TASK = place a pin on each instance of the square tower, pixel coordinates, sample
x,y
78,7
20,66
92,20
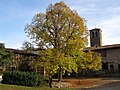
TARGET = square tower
x,y
95,37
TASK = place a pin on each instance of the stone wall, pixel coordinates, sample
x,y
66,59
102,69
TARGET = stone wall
x,y
112,57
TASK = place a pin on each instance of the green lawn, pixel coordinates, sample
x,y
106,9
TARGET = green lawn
x,y
15,87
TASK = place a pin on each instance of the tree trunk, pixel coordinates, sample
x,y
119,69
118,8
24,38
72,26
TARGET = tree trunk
x,y
50,81
60,76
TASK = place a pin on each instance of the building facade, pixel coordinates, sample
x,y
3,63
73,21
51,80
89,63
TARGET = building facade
x,y
110,53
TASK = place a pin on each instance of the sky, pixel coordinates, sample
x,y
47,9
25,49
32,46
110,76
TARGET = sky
x,y
16,14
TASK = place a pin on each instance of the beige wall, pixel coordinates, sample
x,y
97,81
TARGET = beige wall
x,y
112,57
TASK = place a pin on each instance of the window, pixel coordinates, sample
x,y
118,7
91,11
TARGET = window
x,y
92,34
105,65
96,34
119,66
111,67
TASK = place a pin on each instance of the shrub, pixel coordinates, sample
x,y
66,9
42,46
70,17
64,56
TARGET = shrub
x,y
23,78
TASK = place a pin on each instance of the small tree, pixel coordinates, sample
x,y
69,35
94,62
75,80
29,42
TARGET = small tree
x,y
6,57
89,61
63,33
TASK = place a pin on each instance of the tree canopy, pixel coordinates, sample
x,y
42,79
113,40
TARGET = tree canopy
x,y
63,34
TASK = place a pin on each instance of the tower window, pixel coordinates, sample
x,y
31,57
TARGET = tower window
x,y
92,34
96,34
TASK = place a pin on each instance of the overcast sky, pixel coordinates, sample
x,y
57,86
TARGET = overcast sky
x,y
15,14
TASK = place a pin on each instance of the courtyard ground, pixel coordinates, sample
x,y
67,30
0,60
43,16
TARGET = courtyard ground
x,y
91,83
74,84
108,86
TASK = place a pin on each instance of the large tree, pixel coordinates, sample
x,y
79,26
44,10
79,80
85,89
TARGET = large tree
x,y
63,33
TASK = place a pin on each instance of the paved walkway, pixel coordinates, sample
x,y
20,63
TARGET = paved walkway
x,y
109,86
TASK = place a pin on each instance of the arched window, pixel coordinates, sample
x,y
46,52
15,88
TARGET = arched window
x,y
105,65
111,67
96,34
119,66
93,35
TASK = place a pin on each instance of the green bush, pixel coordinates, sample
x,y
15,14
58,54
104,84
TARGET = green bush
x,y
23,78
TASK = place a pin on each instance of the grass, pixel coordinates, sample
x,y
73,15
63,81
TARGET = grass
x,y
15,87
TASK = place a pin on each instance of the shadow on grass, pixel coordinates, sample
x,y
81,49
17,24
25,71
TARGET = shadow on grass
x,y
16,87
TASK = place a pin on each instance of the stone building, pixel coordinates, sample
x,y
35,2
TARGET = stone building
x,y
20,55
110,53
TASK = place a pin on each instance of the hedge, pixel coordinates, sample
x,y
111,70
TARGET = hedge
x,y
23,78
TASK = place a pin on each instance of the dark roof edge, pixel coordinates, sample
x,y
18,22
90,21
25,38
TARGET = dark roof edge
x,y
102,47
